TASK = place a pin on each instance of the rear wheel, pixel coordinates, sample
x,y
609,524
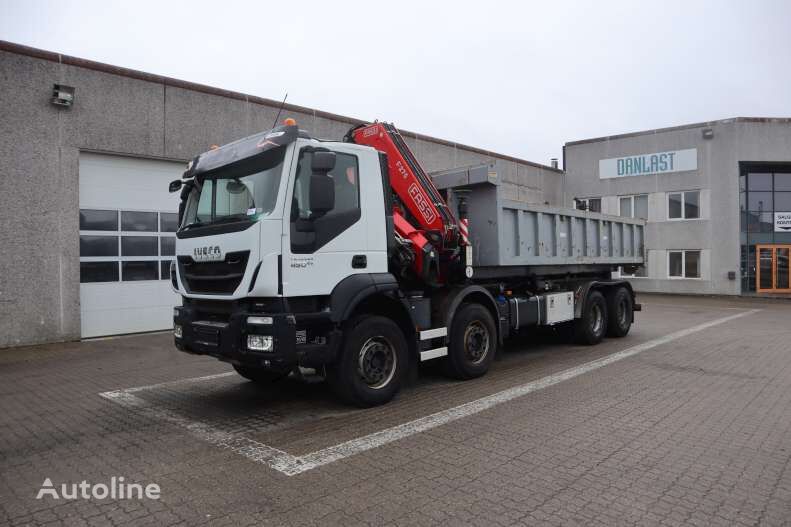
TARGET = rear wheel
x,y
592,325
473,341
619,311
259,375
372,362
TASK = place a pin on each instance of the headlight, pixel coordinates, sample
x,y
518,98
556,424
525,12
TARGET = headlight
x,y
259,342
177,331
261,321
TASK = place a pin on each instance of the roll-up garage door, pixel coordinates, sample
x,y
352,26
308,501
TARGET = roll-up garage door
x,y
127,241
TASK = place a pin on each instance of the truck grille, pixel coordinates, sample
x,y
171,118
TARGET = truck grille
x,y
213,278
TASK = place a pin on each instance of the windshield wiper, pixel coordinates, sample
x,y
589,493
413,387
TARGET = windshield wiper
x,y
217,221
191,225
229,219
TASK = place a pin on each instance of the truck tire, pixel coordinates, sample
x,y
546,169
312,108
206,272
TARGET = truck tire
x,y
591,327
372,362
259,375
619,312
472,343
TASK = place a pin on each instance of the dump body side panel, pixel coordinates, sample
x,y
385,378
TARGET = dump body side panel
x,y
505,232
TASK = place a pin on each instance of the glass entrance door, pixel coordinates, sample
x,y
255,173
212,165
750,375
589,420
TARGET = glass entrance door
x,y
772,268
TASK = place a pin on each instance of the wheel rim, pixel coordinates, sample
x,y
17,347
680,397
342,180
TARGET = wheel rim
x,y
622,308
476,342
597,320
377,362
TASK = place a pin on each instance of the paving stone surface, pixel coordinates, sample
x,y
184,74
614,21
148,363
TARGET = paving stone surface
x,y
695,431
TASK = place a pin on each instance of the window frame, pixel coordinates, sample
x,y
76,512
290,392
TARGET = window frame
x,y
684,264
119,234
332,224
631,198
683,194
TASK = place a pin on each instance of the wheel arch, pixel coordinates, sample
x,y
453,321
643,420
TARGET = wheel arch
x,y
604,286
347,295
448,305
373,294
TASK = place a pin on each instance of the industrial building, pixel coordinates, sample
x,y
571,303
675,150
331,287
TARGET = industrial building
x,y
88,225
88,151
716,197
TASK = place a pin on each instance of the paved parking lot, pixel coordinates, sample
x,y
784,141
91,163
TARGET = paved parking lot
x,y
685,421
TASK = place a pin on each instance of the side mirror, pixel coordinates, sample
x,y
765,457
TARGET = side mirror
x,y
322,193
322,162
175,185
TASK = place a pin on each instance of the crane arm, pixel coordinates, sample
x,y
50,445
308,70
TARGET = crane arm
x,y
411,184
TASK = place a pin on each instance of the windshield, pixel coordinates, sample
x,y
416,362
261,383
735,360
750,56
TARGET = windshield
x,y
245,193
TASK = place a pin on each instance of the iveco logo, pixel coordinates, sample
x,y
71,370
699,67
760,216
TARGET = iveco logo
x,y
207,253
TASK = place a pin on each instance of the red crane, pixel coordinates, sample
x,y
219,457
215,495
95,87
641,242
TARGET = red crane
x,y
420,215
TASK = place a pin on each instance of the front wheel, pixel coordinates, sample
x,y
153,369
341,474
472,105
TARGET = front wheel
x,y
592,325
372,362
472,343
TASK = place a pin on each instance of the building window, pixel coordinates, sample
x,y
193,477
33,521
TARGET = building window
x,y
98,272
98,220
683,264
138,221
591,204
164,266
683,205
138,247
633,206
168,222
133,270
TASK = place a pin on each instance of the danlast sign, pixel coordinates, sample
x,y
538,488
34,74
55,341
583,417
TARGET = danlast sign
x,y
782,221
648,164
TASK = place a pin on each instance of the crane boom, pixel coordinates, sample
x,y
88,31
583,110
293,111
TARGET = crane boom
x,y
430,226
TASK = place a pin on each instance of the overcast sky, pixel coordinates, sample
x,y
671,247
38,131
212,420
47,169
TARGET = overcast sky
x,y
519,78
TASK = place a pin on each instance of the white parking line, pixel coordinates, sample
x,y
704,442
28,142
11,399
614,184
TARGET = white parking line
x,y
291,465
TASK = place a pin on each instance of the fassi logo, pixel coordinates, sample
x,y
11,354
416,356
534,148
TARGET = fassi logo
x,y
421,202
401,169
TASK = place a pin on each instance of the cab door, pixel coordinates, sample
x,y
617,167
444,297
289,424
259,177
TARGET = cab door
x,y
319,252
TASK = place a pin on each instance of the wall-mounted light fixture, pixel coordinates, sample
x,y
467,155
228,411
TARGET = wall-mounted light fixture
x,y
62,95
708,133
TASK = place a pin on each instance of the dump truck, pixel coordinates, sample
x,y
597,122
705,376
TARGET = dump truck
x,y
346,260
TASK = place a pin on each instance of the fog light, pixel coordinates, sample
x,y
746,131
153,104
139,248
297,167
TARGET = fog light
x,y
259,342
261,321
177,331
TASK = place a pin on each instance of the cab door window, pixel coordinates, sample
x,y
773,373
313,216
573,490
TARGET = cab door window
x,y
309,233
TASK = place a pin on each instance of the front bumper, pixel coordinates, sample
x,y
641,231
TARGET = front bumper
x,y
298,340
